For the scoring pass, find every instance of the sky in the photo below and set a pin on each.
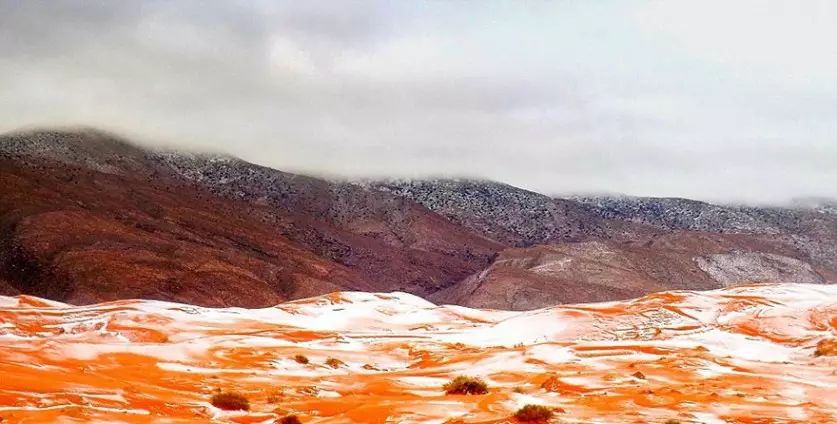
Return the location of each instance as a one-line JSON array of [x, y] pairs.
[[731, 101]]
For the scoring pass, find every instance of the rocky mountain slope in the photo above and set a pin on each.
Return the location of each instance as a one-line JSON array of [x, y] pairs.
[[598, 248], [87, 216], [810, 227], [528, 278], [744, 355], [681, 214], [83, 236], [513, 216], [389, 238]]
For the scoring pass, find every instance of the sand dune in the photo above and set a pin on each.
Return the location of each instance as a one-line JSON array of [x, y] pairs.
[[741, 355]]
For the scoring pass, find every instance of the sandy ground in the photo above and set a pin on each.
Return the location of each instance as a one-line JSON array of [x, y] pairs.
[[737, 355]]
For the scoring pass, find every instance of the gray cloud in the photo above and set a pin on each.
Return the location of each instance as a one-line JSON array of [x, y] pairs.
[[705, 100]]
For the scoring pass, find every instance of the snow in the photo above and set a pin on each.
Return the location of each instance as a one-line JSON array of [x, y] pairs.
[[551, 353], [416, 347]]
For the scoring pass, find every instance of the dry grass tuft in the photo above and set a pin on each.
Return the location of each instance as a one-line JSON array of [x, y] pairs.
[[464, 385], [533, 414], [826, 348], [335, 363], [290, 419], [230, 401]]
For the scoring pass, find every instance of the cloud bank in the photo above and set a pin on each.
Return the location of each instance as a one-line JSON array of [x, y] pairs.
[[725, 101]]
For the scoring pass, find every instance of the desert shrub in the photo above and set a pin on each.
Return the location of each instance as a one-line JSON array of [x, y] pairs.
[[275, 396], [826, 348], [552, 384], [335, 363], [672, 422], [230, 401], [464, 385], [519, 390], [302, 359], [533, 414], [290, 419]]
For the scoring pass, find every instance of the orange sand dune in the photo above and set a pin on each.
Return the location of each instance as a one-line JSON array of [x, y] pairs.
[[738, 355]]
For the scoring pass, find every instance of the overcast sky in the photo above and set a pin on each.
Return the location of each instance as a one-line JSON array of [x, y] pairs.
[[718, 100]]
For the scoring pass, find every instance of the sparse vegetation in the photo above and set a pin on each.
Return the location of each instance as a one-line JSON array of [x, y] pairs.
[[826, 348], [464, 385], [301, 359], [533, 414], [335, 363], [230, 401], [290, 419], [519, 390], [551, 384], [275, 397], [672, 422]]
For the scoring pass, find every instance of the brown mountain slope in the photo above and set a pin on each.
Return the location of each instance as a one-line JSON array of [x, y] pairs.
[[427, 251], [84, 236], [529, 278], [88, 217]]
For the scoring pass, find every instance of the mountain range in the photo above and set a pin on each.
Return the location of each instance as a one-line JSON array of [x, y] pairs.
[[87, 216]]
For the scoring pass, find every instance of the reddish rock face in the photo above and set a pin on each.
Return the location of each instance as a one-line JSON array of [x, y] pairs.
[[81, 236], [104, 220]]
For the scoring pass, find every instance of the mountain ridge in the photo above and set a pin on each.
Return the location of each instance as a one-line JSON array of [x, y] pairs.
[[444, 239]]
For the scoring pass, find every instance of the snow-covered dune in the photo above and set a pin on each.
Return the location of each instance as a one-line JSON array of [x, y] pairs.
[[742, 355]]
